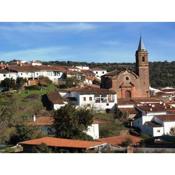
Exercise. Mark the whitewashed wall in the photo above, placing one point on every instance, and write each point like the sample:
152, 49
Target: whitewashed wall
58, 106
168, 126
93, 131
158, 131
99, 73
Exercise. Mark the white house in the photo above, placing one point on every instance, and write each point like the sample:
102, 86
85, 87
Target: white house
54, 73
99, 72
93, 97
167, 121
82, 67
36, 63
154, 120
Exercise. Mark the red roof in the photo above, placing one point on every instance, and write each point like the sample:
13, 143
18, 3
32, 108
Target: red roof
169, 117
118, 140
63, 143
55, 98
93, 90
42, 121
152, 107
30, 68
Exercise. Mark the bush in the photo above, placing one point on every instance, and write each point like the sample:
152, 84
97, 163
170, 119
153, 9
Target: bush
34, 87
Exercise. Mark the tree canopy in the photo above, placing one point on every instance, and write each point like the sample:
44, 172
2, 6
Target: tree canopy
70, 122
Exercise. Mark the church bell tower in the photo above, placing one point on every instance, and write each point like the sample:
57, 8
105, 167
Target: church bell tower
142, 68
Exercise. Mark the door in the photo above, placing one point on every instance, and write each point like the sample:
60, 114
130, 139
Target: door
127, 94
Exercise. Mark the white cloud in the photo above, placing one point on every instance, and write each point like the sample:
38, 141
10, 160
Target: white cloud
48, 27
37, 53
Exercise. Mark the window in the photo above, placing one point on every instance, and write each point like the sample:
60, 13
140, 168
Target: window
127, 78
143, 59
4, 75
103, 98
103, 72
90, 98
111, 98
158, 130
84, 98
97, 98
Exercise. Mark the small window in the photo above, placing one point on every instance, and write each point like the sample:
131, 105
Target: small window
4, 75
84, 98
158, 130
143, 59
127, 78
90, 98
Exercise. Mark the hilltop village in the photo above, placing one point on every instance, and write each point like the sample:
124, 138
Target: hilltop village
55, 108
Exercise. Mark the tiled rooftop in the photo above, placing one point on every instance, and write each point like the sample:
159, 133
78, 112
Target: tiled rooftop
63, 143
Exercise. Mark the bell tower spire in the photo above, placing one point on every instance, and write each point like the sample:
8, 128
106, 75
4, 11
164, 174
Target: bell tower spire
141, 44
141, 56
142, 66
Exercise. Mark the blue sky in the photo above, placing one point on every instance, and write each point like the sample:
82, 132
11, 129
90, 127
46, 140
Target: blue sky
91, 42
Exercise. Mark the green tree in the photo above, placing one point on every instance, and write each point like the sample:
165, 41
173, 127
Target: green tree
6, 124
8, 83
25, 132
70, 122
20, 82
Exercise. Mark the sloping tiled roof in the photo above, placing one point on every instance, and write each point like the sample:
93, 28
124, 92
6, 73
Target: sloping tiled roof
92, 90
88, 73
63, 143
30, 68
98, 69
118, 140
113, 73
169, 117
55, 98
152, 108
42, 121
129, 110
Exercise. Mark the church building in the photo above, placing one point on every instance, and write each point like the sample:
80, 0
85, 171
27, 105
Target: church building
130, 84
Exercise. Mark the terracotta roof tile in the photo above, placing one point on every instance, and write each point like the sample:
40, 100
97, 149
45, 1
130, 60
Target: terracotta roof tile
55, 98
118, 140
42, 121
169, 117
93, 90
152, 108
30, 68
61, 142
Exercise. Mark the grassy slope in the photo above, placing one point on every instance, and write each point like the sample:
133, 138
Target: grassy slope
25, 102
110, 127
